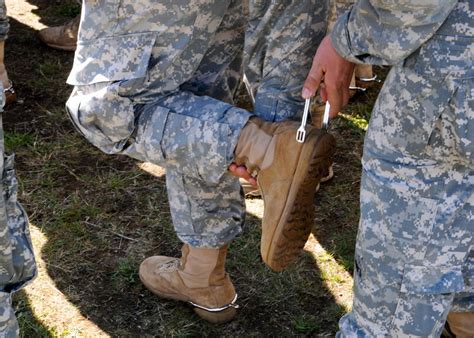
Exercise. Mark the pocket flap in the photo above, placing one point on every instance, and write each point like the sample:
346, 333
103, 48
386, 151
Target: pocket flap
432, 279
111, 59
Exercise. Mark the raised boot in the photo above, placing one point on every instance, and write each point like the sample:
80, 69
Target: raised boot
61, 37
287, 175
198, 278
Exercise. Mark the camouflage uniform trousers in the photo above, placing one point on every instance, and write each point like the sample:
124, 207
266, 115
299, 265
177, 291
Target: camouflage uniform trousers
280, 41
157, 92
414, 252
161, 91
17, 263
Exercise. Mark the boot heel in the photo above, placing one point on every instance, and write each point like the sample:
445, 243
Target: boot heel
220, 317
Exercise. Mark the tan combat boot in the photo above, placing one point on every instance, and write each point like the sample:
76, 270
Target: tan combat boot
461, 324
198, 278
62, 37
287, 175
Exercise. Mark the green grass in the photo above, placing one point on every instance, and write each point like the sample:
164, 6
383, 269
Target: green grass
126, 272
305, 324
15, 140
67, 9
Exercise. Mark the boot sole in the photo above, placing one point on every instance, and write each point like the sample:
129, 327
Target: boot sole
297, 220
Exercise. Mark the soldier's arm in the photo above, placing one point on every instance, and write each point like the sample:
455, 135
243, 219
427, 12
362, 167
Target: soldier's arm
374, 32
387, 31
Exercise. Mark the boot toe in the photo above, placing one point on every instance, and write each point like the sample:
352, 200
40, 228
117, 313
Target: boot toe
152, 271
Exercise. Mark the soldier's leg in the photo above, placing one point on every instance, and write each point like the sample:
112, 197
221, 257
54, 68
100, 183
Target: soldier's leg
8, 323
280, 42
17, 263
461, 317
220, 70
194, 137
417, 207
217, 76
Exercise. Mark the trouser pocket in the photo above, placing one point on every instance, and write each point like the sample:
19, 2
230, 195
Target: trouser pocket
426, 296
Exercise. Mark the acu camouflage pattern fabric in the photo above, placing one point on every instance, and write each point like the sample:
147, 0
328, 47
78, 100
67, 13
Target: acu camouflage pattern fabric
280, 41
17, 263
414, 251
155, 80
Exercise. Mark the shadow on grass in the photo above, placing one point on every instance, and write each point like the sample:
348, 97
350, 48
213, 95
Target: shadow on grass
55, 14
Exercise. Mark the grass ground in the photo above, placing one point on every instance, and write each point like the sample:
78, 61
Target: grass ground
94, 218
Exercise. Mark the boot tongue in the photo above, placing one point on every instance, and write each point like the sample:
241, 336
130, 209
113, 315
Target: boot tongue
171, 265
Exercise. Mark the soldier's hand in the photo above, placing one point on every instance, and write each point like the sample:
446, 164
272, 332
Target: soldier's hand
241, 172
330, 73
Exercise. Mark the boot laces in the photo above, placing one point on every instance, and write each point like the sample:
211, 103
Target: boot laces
169, 266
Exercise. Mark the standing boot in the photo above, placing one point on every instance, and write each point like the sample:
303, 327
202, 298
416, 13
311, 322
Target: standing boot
10, 95
62, 37
288, 173
198, 278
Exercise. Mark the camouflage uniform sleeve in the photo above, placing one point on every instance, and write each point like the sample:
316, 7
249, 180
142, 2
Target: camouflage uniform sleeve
385, 32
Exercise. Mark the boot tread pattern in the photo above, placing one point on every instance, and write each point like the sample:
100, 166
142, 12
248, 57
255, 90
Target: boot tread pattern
288, 244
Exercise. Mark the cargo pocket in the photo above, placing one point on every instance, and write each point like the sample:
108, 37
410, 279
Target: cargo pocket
425, 299
405, 114
96, 108
103, 117
22, 262
443, 63
110, 59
